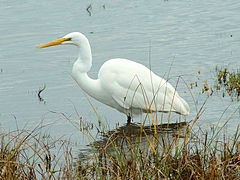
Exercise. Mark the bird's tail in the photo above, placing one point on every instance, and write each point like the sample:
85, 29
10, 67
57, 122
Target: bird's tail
181, 106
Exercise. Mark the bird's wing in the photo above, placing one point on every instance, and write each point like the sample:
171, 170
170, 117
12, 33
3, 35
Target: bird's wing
138, 91
133, 86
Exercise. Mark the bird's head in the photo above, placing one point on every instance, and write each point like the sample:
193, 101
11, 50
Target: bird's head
74, 38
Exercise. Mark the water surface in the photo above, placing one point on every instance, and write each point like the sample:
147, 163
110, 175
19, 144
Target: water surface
190, 35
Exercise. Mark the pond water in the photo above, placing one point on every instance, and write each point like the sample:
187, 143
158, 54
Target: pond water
181, 37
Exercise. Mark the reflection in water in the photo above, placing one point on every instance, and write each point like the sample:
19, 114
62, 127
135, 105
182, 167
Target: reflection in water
146, 139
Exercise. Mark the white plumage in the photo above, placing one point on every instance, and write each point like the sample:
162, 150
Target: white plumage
127, 86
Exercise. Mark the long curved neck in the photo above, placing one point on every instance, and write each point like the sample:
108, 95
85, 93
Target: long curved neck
84, 61
80, 68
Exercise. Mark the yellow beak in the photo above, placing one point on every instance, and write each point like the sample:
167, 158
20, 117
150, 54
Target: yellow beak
54, 43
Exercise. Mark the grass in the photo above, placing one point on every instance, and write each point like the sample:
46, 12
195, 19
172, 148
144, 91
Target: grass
28, 154
135, 151
164, 155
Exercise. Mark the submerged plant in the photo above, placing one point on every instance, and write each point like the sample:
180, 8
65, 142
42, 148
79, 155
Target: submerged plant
230, 81
227, 81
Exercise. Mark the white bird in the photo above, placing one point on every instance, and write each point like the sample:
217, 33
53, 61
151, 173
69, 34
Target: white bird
127, 86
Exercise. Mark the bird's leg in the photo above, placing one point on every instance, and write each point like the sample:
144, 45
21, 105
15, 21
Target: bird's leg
129, 118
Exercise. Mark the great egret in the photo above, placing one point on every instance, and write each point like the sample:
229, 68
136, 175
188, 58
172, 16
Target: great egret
127, 86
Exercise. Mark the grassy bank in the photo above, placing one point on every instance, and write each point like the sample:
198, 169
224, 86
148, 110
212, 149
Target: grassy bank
170, 151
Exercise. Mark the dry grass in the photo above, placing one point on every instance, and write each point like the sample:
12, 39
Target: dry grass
171, 151
28, 155
138, 152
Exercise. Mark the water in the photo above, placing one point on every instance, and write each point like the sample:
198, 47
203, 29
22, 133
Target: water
190, 35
